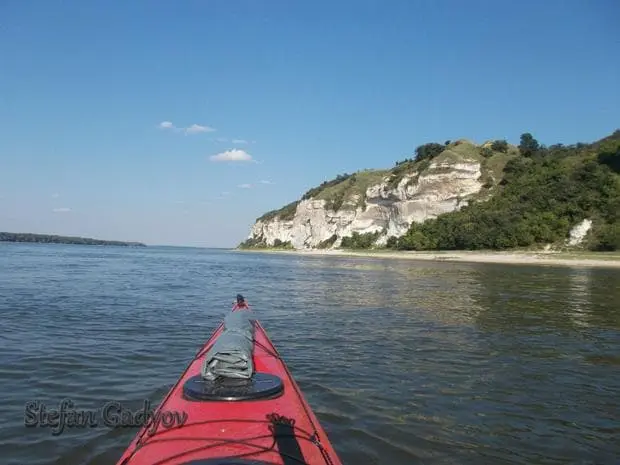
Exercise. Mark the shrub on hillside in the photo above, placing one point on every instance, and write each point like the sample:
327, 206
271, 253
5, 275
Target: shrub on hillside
359, 241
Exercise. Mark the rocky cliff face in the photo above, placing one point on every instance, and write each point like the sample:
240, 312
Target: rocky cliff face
383, 202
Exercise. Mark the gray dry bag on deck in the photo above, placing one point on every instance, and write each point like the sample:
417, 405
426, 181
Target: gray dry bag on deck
231, 355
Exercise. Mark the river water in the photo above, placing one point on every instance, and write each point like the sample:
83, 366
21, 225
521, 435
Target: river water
404, 362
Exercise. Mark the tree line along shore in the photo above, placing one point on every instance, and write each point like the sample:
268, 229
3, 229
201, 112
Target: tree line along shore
55, 239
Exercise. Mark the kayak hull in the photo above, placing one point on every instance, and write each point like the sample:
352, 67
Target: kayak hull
279, 427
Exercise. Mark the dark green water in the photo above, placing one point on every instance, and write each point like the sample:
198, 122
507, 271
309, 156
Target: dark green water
404, 362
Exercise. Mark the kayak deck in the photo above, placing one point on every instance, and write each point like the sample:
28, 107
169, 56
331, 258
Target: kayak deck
281, 429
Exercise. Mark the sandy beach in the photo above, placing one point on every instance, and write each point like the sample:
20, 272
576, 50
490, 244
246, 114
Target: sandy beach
575, 259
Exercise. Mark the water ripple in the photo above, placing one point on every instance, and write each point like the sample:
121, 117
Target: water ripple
403, 362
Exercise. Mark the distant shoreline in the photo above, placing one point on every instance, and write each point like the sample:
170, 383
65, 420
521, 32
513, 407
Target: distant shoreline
582, 259
55, 239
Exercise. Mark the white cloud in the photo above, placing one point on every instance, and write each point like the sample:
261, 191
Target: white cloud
239, 141
232, 155
221, 139
245, 186
266, 182
193, 129
197, 128
61, 210
55, 195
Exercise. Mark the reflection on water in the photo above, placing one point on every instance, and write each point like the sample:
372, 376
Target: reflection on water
579, 280
404, 362
443, 293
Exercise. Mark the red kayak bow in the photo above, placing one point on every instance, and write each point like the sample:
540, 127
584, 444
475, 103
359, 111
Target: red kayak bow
263, 420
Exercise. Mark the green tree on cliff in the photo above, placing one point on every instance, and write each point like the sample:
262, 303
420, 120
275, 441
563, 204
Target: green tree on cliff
428, 151
528, 146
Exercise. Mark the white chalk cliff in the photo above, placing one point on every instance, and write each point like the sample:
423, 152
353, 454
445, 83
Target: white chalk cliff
443, 185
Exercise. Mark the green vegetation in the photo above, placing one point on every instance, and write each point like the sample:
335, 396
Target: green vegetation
260, 243
486, 152
285, 213
327, 243
278, 244
493, 166
492, 158
543, 193
420, 162
334, 192
253, 243
53, 239
528, 146
400, 170
324, 185
360, 241
350, 193
499, 146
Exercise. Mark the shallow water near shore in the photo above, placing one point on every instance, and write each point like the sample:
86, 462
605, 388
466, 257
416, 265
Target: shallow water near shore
404, 362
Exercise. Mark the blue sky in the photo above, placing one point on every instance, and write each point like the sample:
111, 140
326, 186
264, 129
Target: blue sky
306, 90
